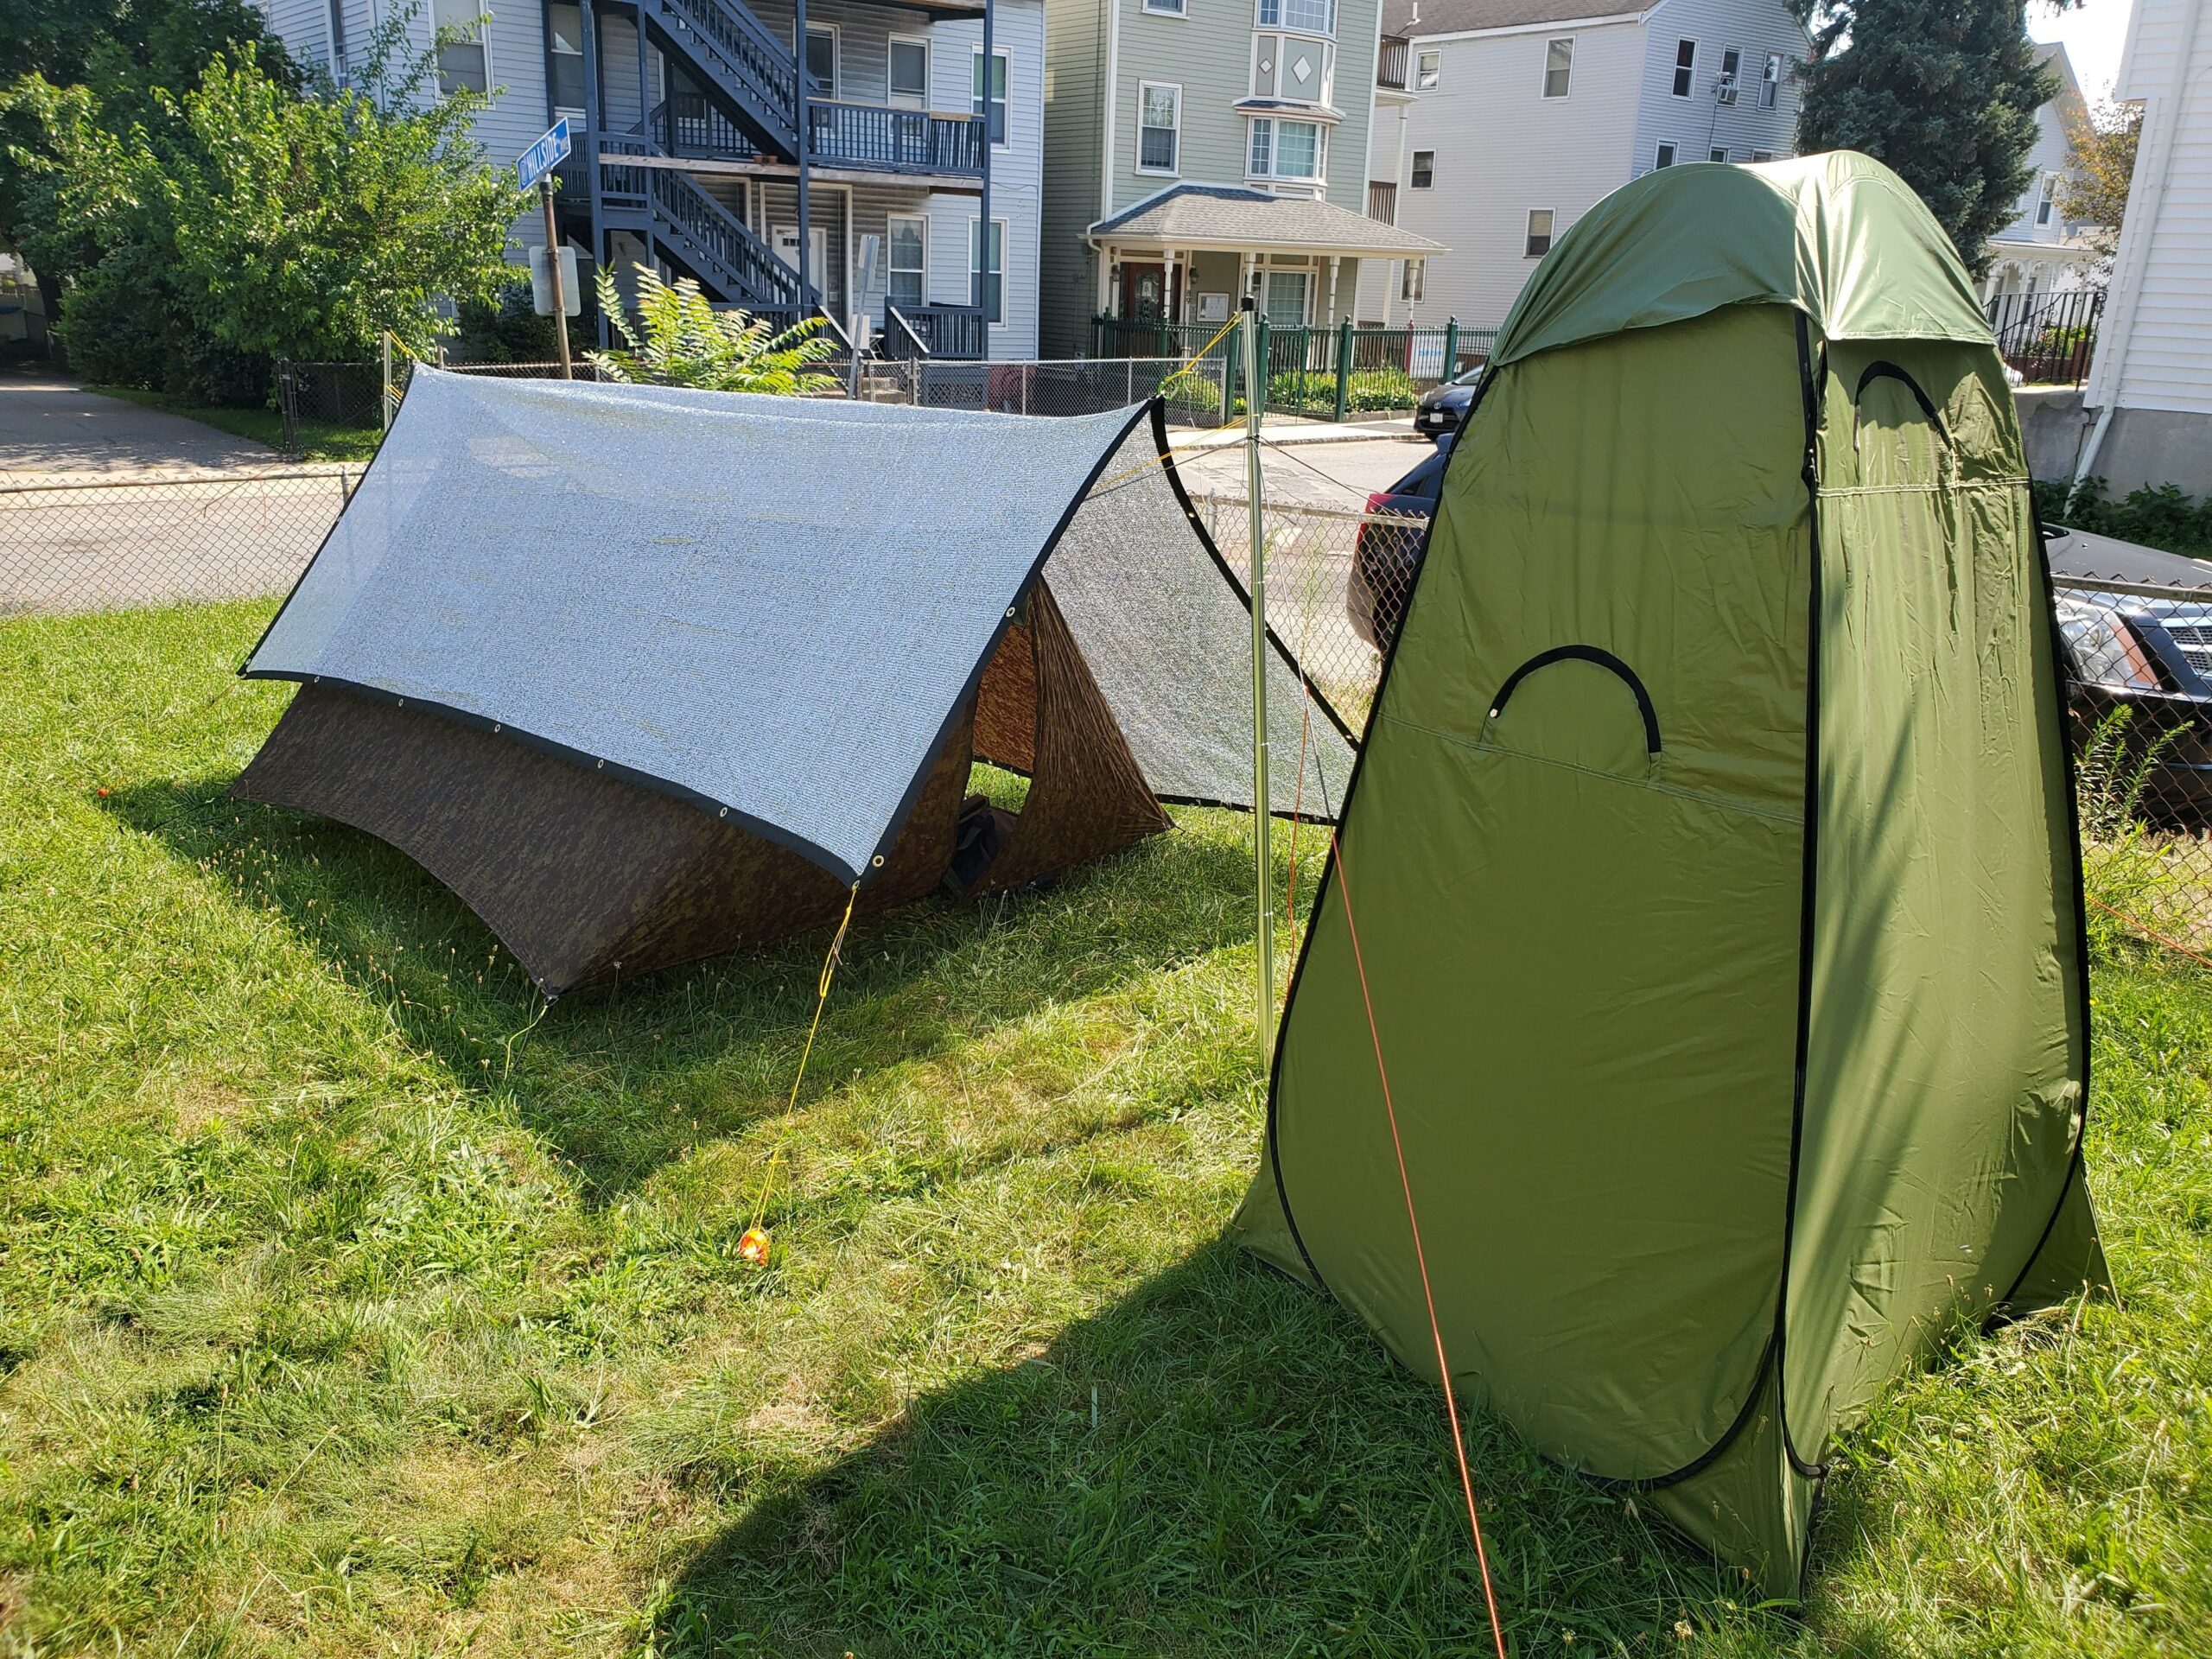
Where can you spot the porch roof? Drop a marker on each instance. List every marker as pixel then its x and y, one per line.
pixel 1240 219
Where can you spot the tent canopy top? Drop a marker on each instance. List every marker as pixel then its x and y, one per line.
pixel 1822 233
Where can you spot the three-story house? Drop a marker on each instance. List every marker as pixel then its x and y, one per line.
pixel 878 162
pixel 1197 151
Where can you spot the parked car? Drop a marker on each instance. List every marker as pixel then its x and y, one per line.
pixel 1386 554
pixel 2149 654
pixel 1442 407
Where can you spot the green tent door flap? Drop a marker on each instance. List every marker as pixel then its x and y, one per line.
pixel 1712 864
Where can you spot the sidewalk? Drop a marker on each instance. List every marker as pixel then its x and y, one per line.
pixel 1292 428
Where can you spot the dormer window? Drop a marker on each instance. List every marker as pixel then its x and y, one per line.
pixel 1305 16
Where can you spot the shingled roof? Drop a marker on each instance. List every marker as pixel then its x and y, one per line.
pixel 1234 216
pixel 1410 17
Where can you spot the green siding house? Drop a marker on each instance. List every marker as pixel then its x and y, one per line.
pixel 1199 150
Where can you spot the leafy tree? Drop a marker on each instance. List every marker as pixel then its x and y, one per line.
pixel 243 222
pixel 1944 92
pixel 120 51
pixel 2093 192
pixel 679 340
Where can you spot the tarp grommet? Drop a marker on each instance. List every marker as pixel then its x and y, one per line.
pixel 723 813
pixel 876 862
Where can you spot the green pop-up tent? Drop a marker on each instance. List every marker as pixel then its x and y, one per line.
pixel 1708 890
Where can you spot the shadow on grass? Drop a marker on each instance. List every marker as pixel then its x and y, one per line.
pixel 626 1077
pixel 1224 1462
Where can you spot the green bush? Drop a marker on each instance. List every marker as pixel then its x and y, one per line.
pixel 1314 392
pixel 2162 517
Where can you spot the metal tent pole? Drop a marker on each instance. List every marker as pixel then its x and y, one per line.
pixel 1262 852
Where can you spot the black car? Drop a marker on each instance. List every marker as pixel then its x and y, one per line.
pixel 1443 407
pixel 1387 552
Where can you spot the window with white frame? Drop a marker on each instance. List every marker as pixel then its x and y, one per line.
pixel 1415 286
pixel 1285 297
pixel 2046 200
pixel 464 60
pixel 822 59
pixel 1159 126
pixel 1559 66
pixel 906 260
pixel 1664 156
pixel 1166 7
pixel 1731 68
pixel 989 280
pixel 564 55
pixel 1771 81
pixel 1539 233
pixel 338 41
pixel 1429 70
pixel 910 72
pixel 1716 154
pixel 1762 155
pixel 1423 170
pixel 1286 149
pixel 1306 16
pixel 1000 69
pixel 1685 68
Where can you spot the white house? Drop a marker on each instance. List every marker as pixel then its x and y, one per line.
pixel 1526 112
pixel 2043 252
pixel 2151 380
pixel 723 144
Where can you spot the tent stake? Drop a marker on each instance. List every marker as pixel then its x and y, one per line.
pixel 1255 394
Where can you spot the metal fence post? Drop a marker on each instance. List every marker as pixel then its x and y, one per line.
pixel 1262 853
pixel 1343 367
pixel 1262 365
pixel 1451 347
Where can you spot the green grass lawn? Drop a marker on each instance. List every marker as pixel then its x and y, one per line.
pixel 318 440
pixel 351 1303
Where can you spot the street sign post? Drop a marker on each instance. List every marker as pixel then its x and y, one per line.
pixel 534 166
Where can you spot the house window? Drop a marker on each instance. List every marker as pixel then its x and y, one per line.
pixel 1285 299
pixel 338 40
pixel 1664 156
pixel 1168 8
pixel 1160 125
pixel 1559 66
pixel 988 285
pixel 1285 149
pixel 564 52
pixel 1716 154
pixel 1540 232
pixel 464 65
pixel 906 245
pixel 822 61
pixel 1307 16
pixel 910 73
pixel 2043 199
pixel 1685 67
pixel 1424 169
pixel 999 73
pixel 1771 81
pixel 1762 155
pixel 1415 284
pixel 1731 64
pixel 1429 70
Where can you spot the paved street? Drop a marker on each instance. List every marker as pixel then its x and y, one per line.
pixel 1339 474
pixel 47 424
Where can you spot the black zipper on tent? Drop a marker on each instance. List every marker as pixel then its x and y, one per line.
pixel 1604 660
pixel 2046 589
pixel 1343 812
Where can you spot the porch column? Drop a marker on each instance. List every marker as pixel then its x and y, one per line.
pixel 983 245
pixel 800 86
pixel 1336 260
pixel 594 122
pixel 645 138
pixel 1168 310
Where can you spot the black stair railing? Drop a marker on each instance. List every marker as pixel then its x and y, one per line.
pixel 912 141
pixel 731 49
pixel 714 242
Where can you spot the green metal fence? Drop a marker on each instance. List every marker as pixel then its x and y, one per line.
pixel 1320 373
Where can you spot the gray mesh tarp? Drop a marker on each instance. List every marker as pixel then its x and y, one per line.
pixel 770 606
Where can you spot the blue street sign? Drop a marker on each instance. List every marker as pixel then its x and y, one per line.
pixel 544 155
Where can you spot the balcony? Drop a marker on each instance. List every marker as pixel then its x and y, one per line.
pixel 939 331
pixel 869 137
pixel 1390 63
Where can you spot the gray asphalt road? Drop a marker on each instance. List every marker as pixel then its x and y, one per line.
pixel 1340 475
pixel 49 425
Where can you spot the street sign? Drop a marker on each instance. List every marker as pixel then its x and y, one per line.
pixel 541 157
pixel 542 284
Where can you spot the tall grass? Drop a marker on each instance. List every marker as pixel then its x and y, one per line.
pixel 352 1301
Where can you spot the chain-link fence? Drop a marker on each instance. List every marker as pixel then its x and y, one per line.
pixel 83 545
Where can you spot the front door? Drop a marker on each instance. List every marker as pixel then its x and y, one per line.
pixel 1144 293
pixel 785 239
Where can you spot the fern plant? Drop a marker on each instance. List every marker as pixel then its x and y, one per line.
pixel 677 338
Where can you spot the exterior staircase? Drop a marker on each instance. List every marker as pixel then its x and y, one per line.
pixel 735 61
